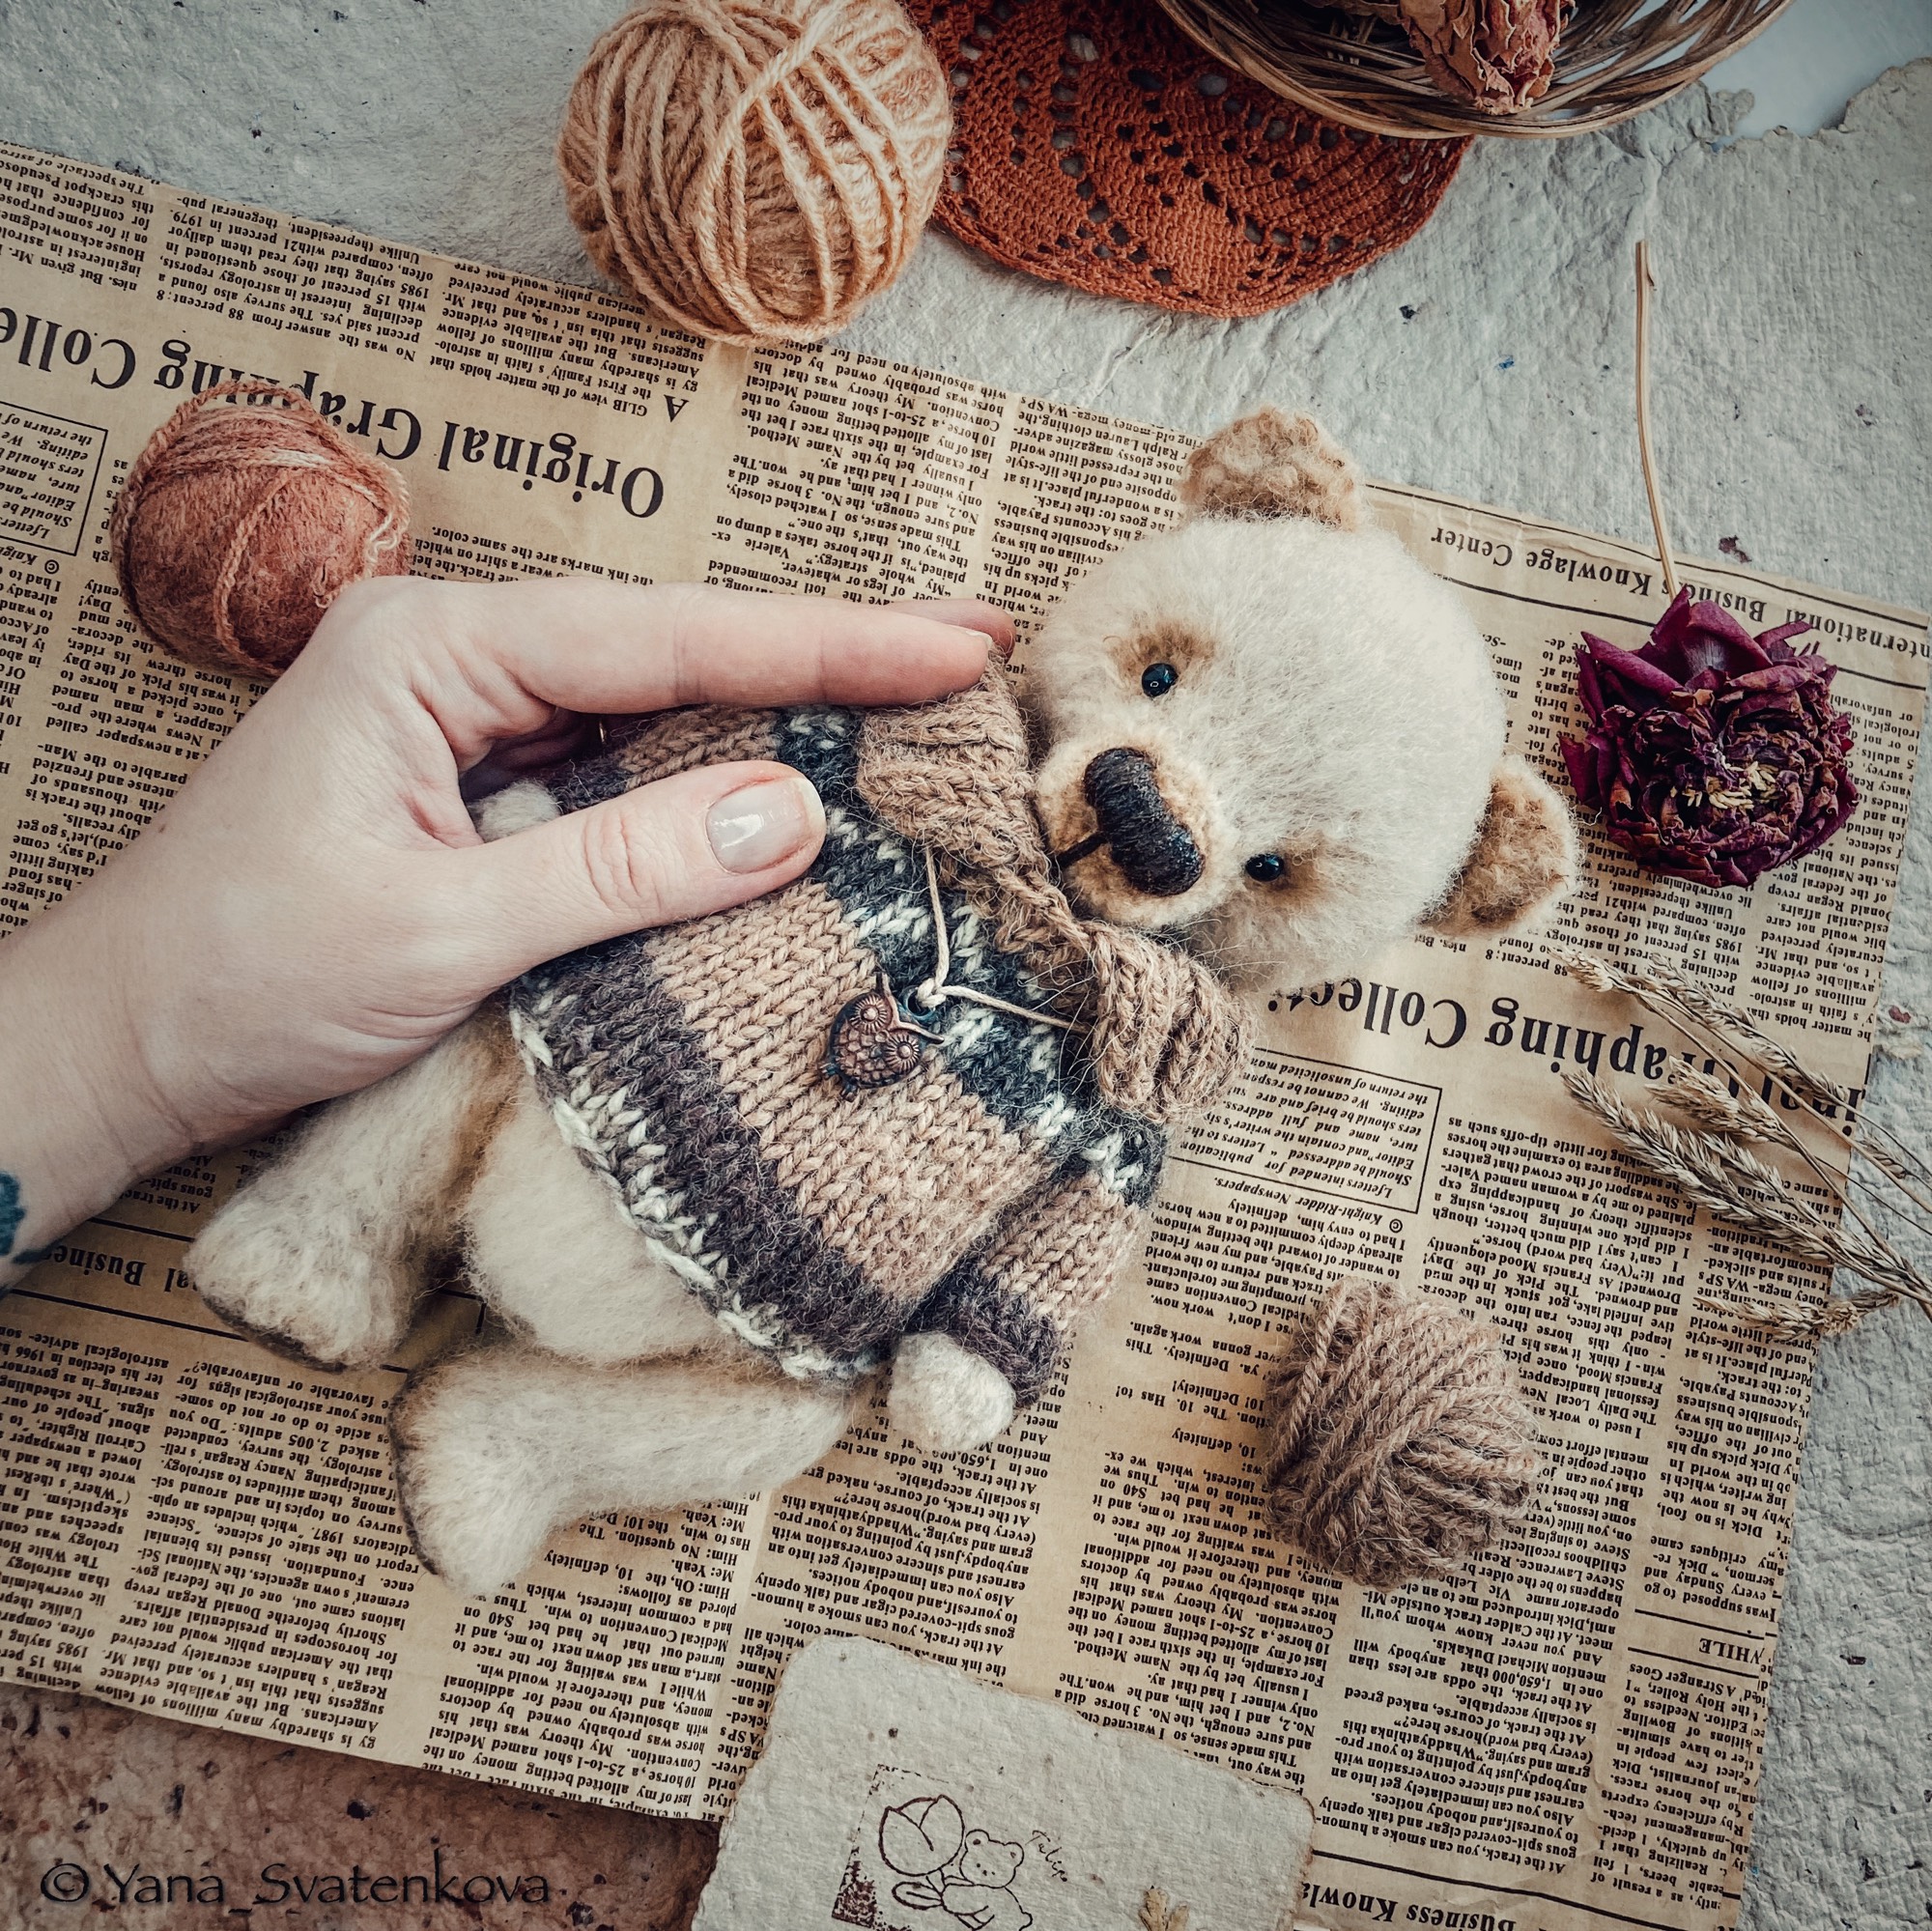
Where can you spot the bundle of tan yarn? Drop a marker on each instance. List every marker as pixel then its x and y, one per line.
pixel 1398 1443
pixel 243 518
pixel 755 170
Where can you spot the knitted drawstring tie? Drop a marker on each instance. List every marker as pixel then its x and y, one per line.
pixel 934 991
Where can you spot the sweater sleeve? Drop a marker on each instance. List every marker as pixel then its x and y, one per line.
pixel 640 750
pixel 1016 1299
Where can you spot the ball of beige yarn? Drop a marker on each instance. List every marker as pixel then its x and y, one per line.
pixel 1398 1444
pixel 754 170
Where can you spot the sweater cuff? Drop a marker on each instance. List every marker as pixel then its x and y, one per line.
pixel 996 1325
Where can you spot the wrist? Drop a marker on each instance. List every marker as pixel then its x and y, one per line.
pixel 86 1123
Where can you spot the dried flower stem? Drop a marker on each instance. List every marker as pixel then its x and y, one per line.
pixel 1646 283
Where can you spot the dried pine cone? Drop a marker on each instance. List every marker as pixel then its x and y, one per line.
pixel 1497 55
pixel 1713 754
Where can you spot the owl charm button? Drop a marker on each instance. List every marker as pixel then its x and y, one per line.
pixel 873 1043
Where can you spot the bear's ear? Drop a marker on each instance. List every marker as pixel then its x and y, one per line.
pixel 1523 863
pixel 1268 464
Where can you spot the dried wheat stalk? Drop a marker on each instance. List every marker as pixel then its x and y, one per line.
pixel 1714 1166
pixel 1728 1032
pixel 1728 1106
pixel 1668 991
pixel 1898 1172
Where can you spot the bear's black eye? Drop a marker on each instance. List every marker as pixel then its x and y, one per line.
pixel 1159 679
pixel 1265 868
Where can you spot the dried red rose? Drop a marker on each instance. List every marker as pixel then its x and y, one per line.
pixel 1713 754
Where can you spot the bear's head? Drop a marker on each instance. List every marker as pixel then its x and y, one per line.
pixel 986 1860
pixel 1274 734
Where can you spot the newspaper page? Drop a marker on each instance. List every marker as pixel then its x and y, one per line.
pixel 1566 1736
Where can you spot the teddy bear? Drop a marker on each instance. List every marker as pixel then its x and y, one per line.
pixel 981 1894
pixel 906 1115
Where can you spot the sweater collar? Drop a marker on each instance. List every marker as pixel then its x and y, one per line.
pixel 1165 1035
pixel 954 776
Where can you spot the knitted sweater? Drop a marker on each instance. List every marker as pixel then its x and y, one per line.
pixel 993 1191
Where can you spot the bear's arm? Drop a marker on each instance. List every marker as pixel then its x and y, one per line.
pixel 1016 1299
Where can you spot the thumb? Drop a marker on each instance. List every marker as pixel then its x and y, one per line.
pixel 708 839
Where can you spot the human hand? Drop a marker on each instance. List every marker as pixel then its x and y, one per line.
pixel 314 907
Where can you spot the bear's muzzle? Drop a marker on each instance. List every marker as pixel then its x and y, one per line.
pixel 1154 851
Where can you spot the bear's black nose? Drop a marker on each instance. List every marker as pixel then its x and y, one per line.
pixel 1154 850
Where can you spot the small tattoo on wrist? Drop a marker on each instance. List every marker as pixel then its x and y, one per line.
pixel 13 1212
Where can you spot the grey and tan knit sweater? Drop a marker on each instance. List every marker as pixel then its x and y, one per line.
pixel 992 1193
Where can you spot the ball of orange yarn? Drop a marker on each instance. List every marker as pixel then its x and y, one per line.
pixel 242 518
pixel 1398 1443
pixel 754 170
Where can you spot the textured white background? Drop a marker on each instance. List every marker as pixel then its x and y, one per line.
pixel 1491 358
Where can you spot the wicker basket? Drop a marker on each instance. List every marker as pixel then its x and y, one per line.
pixel 1616 58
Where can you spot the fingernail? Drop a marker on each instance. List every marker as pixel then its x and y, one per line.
pixel 764 824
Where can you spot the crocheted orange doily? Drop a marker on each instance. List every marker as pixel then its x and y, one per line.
pixel 1095 144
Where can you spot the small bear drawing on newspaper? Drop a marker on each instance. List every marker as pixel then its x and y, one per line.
pixel 967 1874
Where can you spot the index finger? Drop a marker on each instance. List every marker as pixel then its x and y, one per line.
pixel 489 660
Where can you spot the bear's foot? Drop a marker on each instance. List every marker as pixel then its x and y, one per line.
pixel 324 1249
pixel 498 1447
pixel 481 1487
pixel 317 1289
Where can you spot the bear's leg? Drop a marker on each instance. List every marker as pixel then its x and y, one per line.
pixel 498 1446
pixel 326 1249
